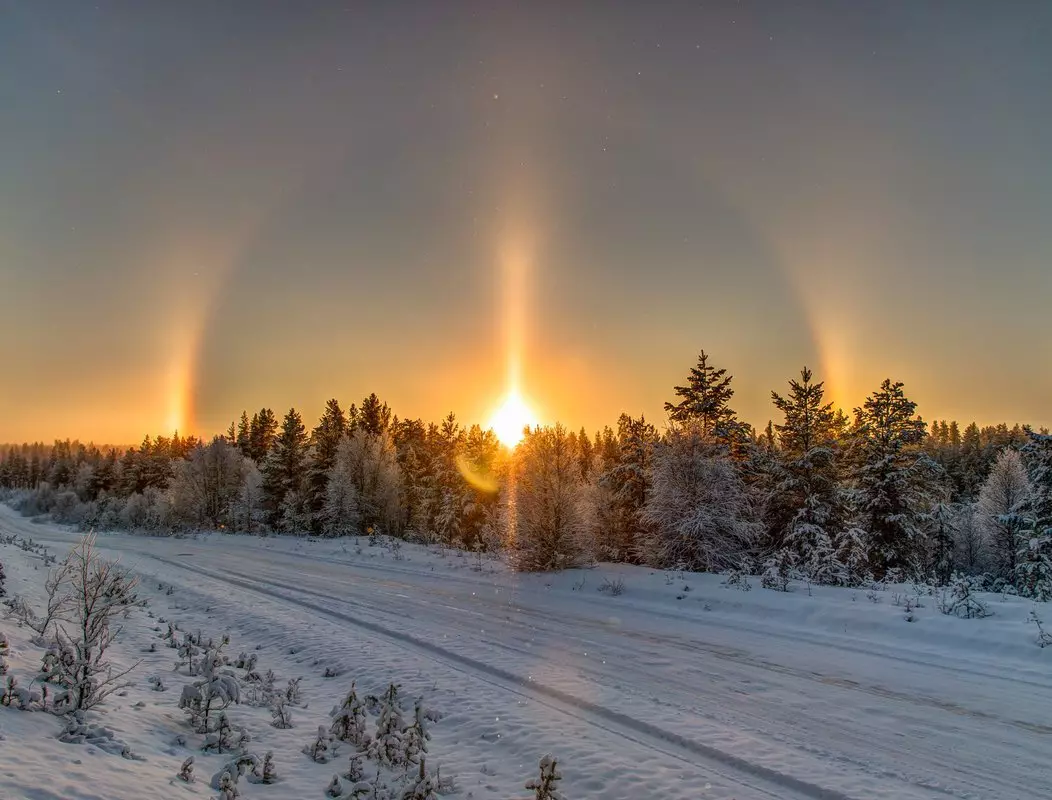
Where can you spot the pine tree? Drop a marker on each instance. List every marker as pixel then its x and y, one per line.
pixel 242 438
pixel 387 746
pixel 3 579
pixel 545 786
pixel 807 504
pixel 340 513
pixel 943 529
pixel 283 472
pixel 890 477
pixel 374 417
pixel 705 401
pixel 415 737
pixel 263 429
pixel 349 724
pixel 628 481
pixel 1033 575
pixel 325 440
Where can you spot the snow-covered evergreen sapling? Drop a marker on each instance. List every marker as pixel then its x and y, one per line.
pixel 335 788
pixel 3 653
pixel 268 772
pixel 350 721
pixel 222 739
pixel 323 749
pixel 3 580
pixel 281 713
pixel 425 787
pixel 217 689
pixel 186 771
pixel 545 786
pixel 779 570
pixel 415 738
pixel 387 747
pixel 356 768
pixel 1044 638
pixel 228 788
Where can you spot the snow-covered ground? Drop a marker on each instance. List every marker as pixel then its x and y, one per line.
pixel 677 688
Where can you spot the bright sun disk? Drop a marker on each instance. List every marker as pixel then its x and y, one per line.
pixel 510 419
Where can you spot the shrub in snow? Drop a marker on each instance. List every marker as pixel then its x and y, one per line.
pixel 267 772
pixel 228 788
pixel 425 787
pixel 3 579
pixel 415 738
pixel 545 786
pixel 281 713
pixel 959 599
pixel 323 749
pixel 737 579
pixel 356 768
pixel 387 746
pixel 223 739
pixel 779 570
pixel 349 724
pixel 217 689
pixel 77 731
pixel 1044 638
pixel 292 691
pixel 335 788
pixel 612 587
pixel 186 771
pixel 14 695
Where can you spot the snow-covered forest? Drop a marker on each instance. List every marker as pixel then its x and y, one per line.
pixel 817 495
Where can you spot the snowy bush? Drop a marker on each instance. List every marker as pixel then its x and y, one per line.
pixel 387 746
pixel 614 587
pixel 737 579
pixel 544 786
pixel 350 721
pixel 959 599
pixel 323 749
pixel 1044 638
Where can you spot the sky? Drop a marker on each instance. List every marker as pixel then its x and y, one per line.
pixel 207 207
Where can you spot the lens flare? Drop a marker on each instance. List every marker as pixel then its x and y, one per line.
pixel 511 419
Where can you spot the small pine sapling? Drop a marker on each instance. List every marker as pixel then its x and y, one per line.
pixel 268 773
pixel 544 786
pixel 356 768
pixel 3 580
pixel 281 713
pixel 335 788
pixel 323 749
pixel 425 787
pixel 221 740
pixel 349 724
pixel 228 788
pixel 1044 638
pixel 186 771
pixel 386 748
pixel 415 738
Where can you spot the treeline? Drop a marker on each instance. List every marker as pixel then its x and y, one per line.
pixel 817 495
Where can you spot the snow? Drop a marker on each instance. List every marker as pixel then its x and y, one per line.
pixel 679 687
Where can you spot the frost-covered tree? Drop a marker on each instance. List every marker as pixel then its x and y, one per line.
pixel 371 463
pixel 942 533
pixel 323 749
pixel 550 517
pixel 891 477
pixel 622 490
pixel 205 487
pixel 698 513
pixel 101 592
pixel 1033 572
pixel 425 787
pixel 3 579
pixel 1001 511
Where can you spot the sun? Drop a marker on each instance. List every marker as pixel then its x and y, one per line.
pixel 509 420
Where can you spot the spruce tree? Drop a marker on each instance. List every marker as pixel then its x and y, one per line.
pixel 891 477
pixel 324 441
pixel 807 502
pixel 705 400
pixel 1033 573
pixel 1001 511
pixel 349 723
pixel 262 430
pixel 283 472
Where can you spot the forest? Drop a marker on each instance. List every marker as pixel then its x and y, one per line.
pixel 817 495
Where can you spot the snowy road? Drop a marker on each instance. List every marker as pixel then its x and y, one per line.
pixel 662 692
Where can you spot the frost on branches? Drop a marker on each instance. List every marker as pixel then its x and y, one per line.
pixel 1033 571
pixel 387 747
pixel 350 721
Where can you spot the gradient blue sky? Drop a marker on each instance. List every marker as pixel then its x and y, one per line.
pixel 214 206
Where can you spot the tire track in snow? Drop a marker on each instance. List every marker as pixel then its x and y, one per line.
pixel 602 717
